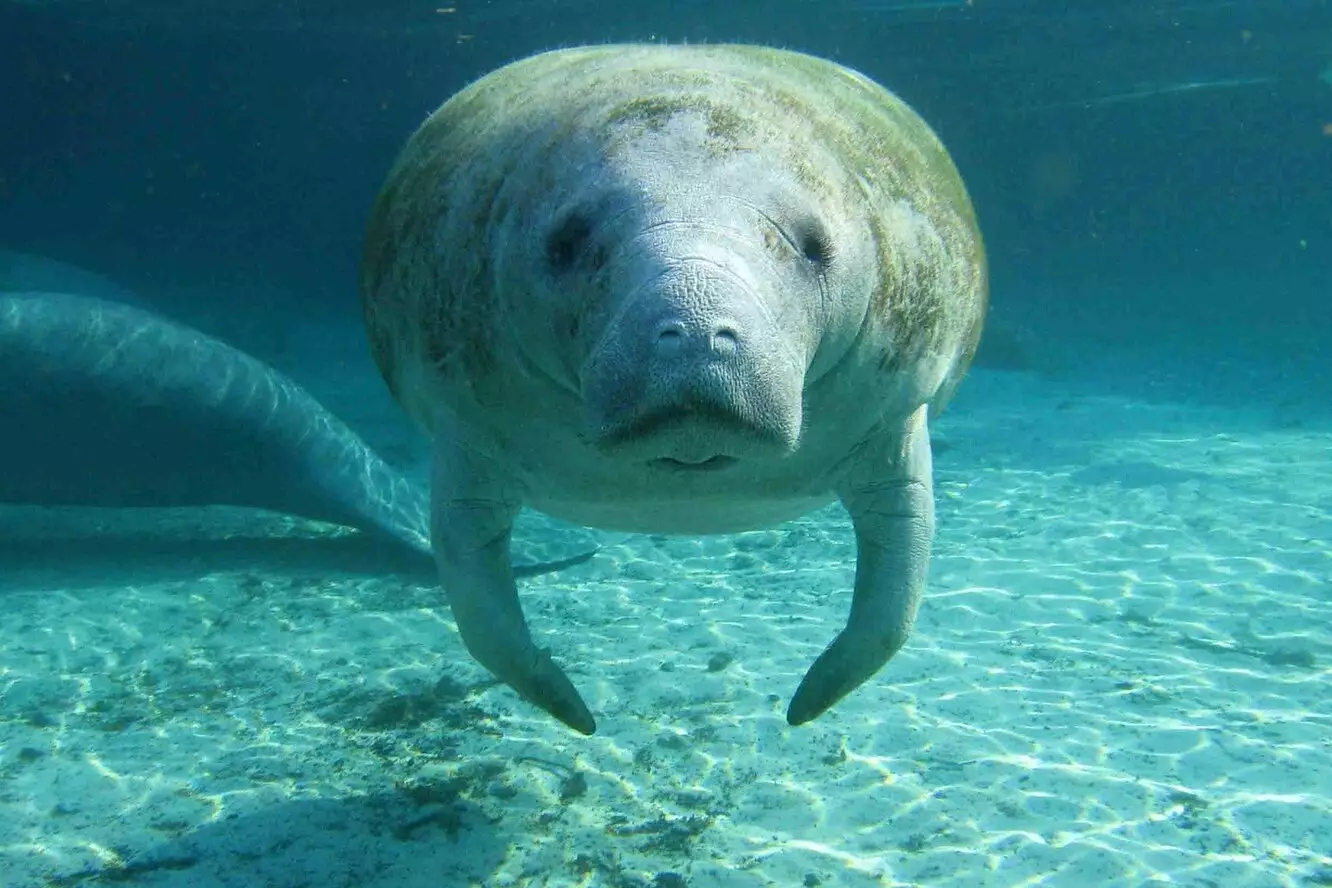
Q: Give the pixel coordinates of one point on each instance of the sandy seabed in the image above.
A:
(1121, 676)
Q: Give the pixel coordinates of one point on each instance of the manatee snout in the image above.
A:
(694, 370)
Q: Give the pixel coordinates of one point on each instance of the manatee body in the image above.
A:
(28, 272)
(106, 404)
(675, 289)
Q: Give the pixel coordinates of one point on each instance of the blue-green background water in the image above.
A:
(1121, 672)
(244, 141)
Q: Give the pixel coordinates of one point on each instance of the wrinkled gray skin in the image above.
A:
(675, 290)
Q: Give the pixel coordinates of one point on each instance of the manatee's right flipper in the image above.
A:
(472, 511)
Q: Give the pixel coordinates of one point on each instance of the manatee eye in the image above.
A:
(567, 241)
(814, 243)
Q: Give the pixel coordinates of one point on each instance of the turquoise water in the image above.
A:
(1121, 669)
(1114, 680)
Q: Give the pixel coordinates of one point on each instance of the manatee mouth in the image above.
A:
(697, 435)
(711, 464)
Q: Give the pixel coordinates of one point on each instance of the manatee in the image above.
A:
(678, 290)
(21, 272)
(106, 404)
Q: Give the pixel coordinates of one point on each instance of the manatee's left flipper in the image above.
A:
(472, 512)
(893, 516)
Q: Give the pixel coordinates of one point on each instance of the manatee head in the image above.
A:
(694, 289)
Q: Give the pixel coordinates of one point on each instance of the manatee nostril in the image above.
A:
(725, 341)
(670, 338)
